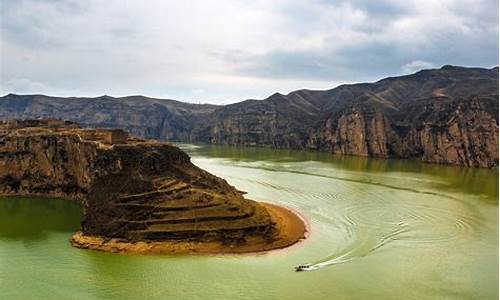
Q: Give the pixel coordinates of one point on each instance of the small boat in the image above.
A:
(302, 268)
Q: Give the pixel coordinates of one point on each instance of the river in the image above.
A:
(380, 229)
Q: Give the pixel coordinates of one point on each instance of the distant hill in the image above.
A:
(447, 115)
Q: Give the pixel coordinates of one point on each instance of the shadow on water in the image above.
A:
(477, 181)
(34, 218)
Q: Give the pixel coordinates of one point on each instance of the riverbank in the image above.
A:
(292, 228)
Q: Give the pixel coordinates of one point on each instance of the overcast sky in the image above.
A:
(228, 51)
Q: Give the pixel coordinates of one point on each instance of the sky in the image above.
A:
(228, 51)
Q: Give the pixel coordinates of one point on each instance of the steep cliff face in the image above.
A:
(276, 122)
(440, 130)
(135, 190)
(446, 115)
(48, 164)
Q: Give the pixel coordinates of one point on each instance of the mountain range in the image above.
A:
(447, 115)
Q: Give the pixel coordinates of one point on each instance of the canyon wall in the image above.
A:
(447, 115)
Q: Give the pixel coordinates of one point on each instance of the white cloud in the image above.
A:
(23, 85)
(27, 86)
(417, 65)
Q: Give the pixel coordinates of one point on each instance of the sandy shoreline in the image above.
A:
(292, 228)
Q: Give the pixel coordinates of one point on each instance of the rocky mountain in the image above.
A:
(447, 115)
(142, 116)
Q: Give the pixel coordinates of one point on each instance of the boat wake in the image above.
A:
(358, 251)
(368, 227)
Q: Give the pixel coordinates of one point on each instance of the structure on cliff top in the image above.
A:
(48, 126)
(132, 190)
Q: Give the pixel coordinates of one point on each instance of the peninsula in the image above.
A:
(139, 196)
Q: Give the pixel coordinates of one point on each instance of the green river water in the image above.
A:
(380, 229)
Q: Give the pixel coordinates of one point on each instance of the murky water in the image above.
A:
(381, 229)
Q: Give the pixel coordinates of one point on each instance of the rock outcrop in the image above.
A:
(439, 130)
(447, 115)
(133, 190)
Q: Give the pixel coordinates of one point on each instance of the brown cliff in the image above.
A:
(459, 132)
(139, 196)
(447, 115)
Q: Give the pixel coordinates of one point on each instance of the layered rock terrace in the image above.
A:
(133, 191)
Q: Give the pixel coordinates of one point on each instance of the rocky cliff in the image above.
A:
(132, 190)
(447, 115)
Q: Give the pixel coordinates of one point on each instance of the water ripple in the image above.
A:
(371, 226)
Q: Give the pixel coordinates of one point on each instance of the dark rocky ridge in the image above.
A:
(134, 190)
(447, 115)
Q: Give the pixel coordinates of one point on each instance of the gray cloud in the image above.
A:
(392, 45)
(225, 51)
